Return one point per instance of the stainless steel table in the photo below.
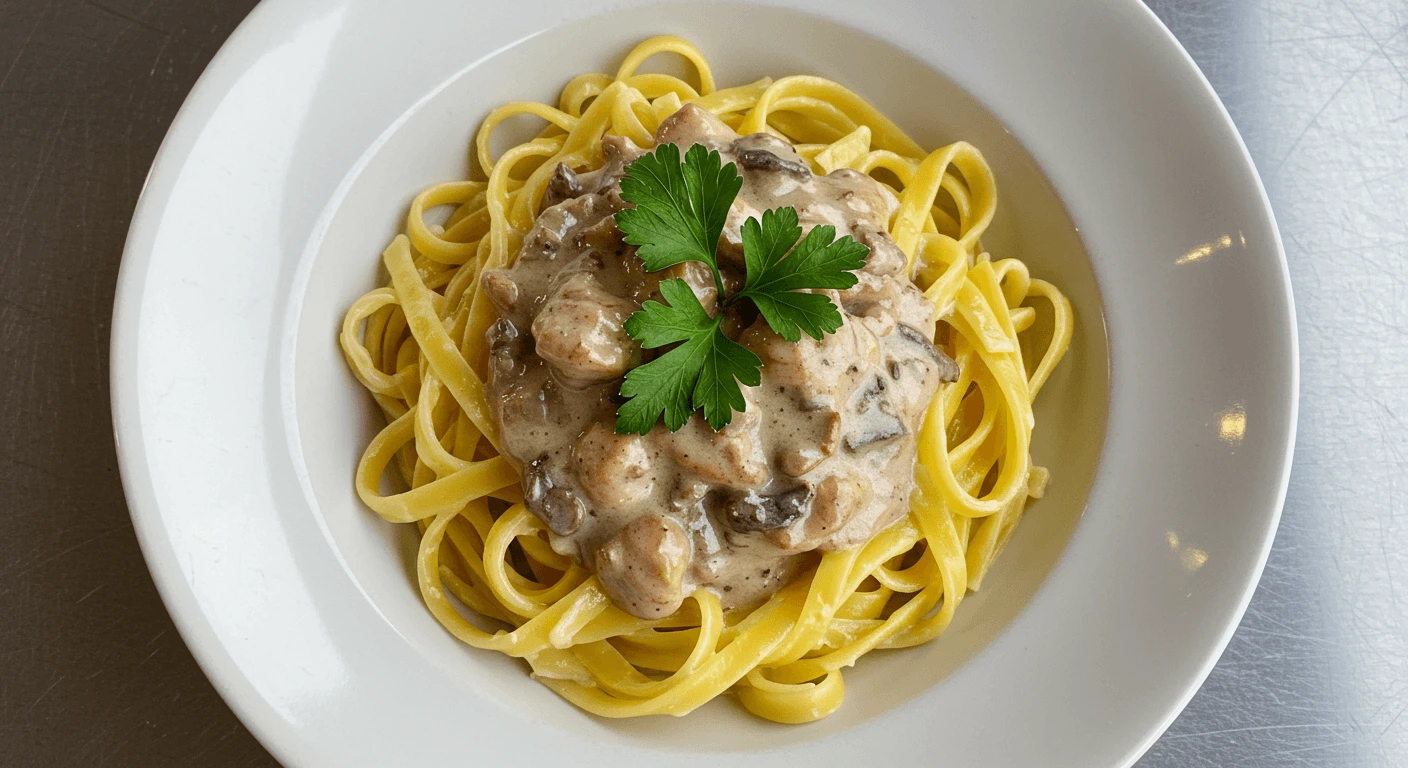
(91, 671)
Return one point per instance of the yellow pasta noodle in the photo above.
(418, 345)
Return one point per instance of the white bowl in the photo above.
(1120, 178)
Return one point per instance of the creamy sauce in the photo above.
(821, 459)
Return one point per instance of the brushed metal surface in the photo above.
(92, 671)
(1317, 673)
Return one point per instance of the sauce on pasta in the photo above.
(870, 483)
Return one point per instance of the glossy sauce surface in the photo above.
(822, 457)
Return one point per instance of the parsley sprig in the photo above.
(679, 214)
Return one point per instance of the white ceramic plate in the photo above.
(1120, 177)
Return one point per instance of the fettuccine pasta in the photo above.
(418, 345)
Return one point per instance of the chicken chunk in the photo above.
(692, 124)
(819, 374)
(581, 332)
(642, 567)
(732, 457)
(643, 286)
(881, 296)
(821, 436)
(731, 243)
(616, 470)
(871, 204)
(735, 461)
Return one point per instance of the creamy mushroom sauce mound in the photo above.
(821, 459)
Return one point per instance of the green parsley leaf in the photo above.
(726, 363)
(774, 276)
(656, 324)
(662, 385)
(679, 212)
(701, 373)
(680, 208)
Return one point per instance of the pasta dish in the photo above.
(703, 390)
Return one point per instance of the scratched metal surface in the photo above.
(92, 672)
